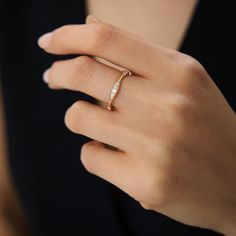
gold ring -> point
(115, 89)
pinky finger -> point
(108, 164)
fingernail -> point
(45, 76)
(44, 40)
(91, 19)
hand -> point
(175, 132)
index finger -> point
(106, 41)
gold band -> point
(115, 90)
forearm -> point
(7, 228)
(12, 222)
(12, 219)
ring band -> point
(115, 89)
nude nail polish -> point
(45, 76)
(91, 19)
(44, 40)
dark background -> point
(59, 196)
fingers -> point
(96, 79)
(96, 123)
(106, 41)
(105, 163)
(117, 168)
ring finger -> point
(94, 78)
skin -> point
(171, 40)
(175, 132)
(12, 219)
(163, 22)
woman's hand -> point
(175, 131)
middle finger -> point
(94, 78)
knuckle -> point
(193, 75)
(101, 35)
(185, 63)
(81, 71)
(190, 73)
(181, 105)
(173, 56)
(76, 117)
(192, 67)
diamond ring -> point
(115, 89)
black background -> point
(59, 196)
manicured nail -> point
(45, 76)
(91, 19)
(44, 40)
